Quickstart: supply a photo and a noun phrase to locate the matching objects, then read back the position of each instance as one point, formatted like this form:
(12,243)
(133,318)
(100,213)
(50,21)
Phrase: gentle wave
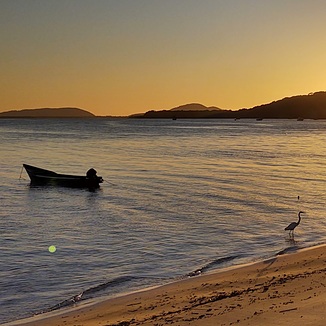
(211,265)
(89,293)
(125,280)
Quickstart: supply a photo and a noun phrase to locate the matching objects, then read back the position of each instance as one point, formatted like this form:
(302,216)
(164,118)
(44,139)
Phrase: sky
(120,57)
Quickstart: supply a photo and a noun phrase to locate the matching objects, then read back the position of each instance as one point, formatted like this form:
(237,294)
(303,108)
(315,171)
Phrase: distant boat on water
(42,177)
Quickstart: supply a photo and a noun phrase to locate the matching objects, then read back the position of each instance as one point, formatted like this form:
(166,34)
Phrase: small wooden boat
(43,177)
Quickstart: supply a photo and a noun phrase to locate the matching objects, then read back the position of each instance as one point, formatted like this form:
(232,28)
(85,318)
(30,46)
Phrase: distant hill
(194,107)
(191,110)
(311,106)
(48,113)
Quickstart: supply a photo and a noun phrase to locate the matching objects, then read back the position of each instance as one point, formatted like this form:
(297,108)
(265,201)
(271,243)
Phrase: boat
(42,177)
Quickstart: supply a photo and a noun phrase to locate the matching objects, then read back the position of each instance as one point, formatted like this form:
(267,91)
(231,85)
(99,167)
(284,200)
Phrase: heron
(293,225)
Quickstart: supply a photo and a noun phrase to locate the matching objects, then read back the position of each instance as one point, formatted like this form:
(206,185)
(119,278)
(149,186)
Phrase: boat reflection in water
(42,177)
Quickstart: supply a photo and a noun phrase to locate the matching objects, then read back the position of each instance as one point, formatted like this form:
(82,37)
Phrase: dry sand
(286,290)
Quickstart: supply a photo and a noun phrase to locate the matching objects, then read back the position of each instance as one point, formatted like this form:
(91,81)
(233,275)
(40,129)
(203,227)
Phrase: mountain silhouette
(194,107)
(48,113)
(311,106)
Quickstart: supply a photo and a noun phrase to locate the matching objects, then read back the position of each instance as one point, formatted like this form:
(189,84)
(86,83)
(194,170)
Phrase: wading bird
(293,225)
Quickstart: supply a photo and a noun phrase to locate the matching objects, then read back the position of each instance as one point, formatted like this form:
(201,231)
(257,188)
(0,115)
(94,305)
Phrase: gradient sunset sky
(118,57)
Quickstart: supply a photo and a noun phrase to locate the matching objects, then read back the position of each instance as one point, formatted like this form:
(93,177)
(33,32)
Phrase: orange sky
(118,57)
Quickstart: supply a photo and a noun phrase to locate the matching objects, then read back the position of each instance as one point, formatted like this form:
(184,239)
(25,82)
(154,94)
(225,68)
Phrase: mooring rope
(111,183)
(20,177)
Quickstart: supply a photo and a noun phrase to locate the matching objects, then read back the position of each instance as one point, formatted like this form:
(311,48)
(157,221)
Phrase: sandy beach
(285,290)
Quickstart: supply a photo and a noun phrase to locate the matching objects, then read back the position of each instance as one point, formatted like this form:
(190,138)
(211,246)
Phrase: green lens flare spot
(52,249)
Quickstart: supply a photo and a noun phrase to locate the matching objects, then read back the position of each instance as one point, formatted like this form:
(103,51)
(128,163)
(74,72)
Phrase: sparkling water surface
(179,197)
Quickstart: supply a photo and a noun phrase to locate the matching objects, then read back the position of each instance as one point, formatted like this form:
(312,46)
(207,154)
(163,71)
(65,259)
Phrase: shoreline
(289,288)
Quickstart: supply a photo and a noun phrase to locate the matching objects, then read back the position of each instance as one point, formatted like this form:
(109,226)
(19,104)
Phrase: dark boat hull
(42,177)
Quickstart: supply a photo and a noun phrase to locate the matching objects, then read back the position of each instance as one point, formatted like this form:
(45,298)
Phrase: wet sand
(286,290)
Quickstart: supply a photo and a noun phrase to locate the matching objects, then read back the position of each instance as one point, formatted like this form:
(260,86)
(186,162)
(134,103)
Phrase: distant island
(48,113)
(300,107)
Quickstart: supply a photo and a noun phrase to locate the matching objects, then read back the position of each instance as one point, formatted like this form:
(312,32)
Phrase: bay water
(179,198)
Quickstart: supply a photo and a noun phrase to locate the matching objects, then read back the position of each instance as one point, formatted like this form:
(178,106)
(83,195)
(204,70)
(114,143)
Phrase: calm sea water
(178,197)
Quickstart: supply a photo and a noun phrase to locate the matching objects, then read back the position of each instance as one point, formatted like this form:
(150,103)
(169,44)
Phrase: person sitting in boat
(91,174)
(92,179)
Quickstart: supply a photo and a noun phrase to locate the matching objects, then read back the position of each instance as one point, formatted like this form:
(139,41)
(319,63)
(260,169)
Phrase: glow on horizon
(129,56)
